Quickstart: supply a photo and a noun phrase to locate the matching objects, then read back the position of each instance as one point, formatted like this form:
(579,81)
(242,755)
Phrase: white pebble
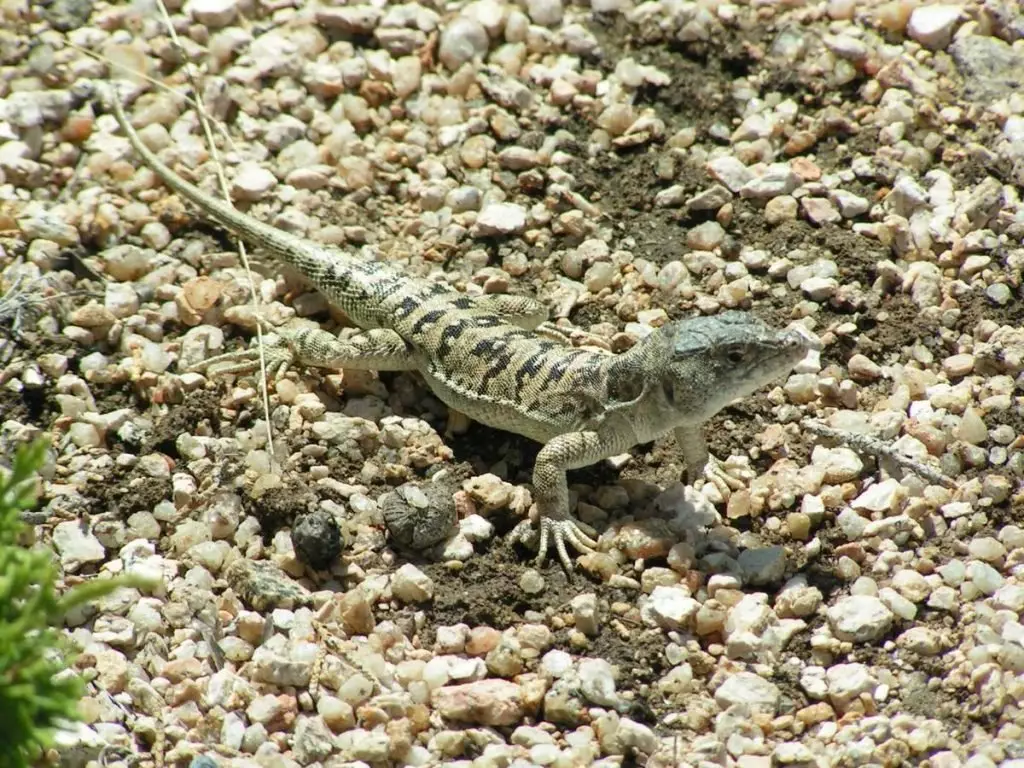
(84,435)
(860,618)
(213,13)
(547,13)
(671,608)
(750,690)
(500,219)
(463,40)
(76,546)
(932,25)
(410,585)
(252,182)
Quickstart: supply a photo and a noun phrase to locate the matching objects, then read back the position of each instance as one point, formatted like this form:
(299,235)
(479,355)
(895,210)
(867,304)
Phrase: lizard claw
(726,479)
(580,535)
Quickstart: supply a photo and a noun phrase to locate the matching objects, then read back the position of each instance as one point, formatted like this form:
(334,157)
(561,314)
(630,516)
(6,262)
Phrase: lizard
(484,357)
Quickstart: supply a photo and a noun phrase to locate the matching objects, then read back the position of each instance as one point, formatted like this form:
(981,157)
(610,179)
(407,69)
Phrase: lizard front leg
(551,491)
(378,349)
(701,464)
(521,311)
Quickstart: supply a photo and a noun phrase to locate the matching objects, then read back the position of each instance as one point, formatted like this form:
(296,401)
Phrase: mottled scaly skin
(483,356)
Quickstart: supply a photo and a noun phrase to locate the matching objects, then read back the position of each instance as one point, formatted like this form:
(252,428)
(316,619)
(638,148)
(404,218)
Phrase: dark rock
(316,539)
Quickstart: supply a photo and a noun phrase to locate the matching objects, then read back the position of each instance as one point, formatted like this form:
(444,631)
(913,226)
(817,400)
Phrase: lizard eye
(735,354)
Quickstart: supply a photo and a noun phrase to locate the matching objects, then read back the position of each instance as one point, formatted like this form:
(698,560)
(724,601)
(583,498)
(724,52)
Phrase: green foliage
(33,696)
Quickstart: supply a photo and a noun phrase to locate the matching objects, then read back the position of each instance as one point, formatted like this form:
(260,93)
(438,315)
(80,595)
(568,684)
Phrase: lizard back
(501,375)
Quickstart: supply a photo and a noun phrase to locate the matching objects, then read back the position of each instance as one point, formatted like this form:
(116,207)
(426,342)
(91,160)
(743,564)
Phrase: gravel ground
(854,165)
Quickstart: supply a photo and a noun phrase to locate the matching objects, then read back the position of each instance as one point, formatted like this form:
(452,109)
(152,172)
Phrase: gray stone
(313,740)
(991,68)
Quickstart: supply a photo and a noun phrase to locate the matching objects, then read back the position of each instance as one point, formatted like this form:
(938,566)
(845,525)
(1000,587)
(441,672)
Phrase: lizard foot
(726,478)
(551,331)
(279,358)
(278,352)
(580,535)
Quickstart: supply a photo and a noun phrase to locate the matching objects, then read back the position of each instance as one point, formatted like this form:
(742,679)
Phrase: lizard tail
(281,244)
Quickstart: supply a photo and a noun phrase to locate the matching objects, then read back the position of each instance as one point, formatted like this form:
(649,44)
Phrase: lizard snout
(799,337)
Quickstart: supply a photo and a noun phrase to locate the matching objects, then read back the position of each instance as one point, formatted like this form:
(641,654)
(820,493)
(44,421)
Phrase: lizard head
(712,361)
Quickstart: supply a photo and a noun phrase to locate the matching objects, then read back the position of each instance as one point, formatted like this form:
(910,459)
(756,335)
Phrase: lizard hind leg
(522,312)
(378,349)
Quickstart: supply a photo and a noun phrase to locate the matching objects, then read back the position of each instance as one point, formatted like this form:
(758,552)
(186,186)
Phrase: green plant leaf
(34,696)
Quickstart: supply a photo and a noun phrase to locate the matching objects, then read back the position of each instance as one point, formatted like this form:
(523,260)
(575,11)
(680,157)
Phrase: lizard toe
(278,360)
(726,479)
(733,475)
(563,554)
(563,531)
(580,535)
(559,532)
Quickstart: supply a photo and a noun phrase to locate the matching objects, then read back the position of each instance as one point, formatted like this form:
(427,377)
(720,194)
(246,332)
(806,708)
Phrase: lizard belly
(495,413)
